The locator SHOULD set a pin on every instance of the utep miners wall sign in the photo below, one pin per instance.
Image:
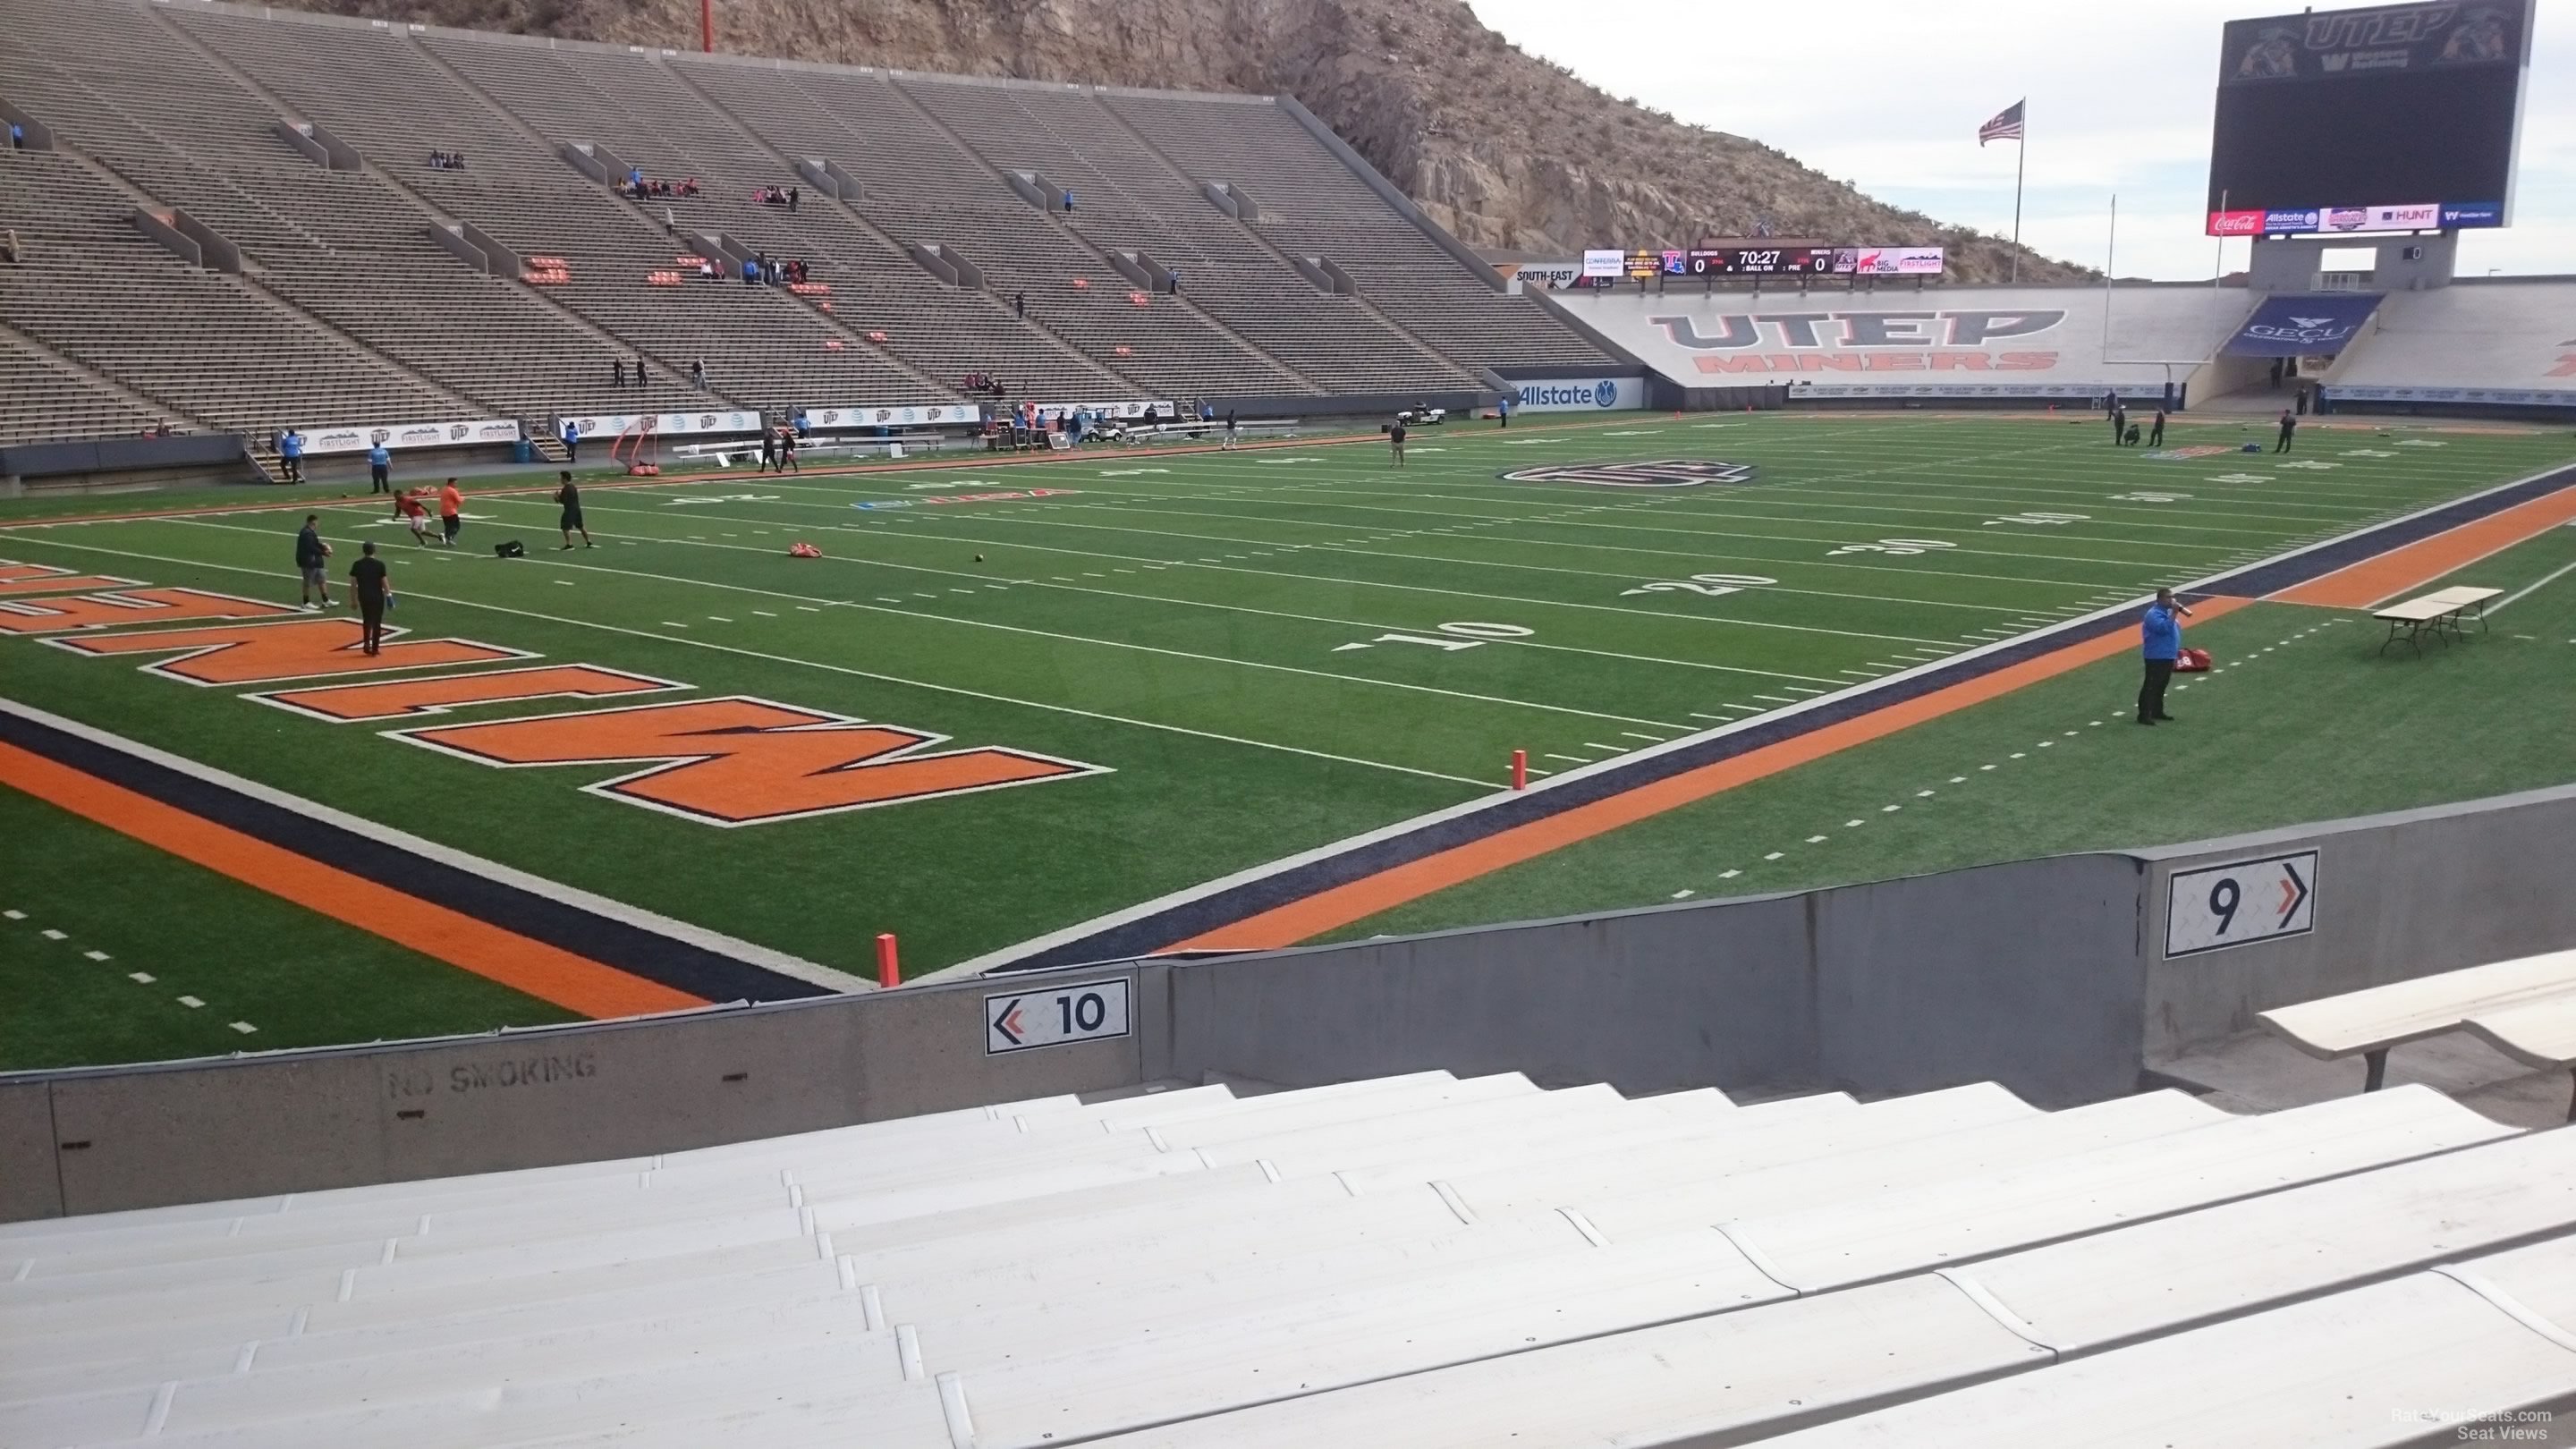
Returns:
(1648, 473)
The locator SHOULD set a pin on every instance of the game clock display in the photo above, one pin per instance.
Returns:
(1762, 261)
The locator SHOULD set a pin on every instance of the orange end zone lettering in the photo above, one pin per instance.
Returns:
(745, 761)
(131, 606)
(265, 653)
(27, 578)
(393, 699)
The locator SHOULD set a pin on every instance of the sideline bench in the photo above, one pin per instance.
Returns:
(2525, 1007)
(2443, 613)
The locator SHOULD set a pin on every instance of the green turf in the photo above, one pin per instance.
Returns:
(2304, 718)
(124, 909)
(1187, 622)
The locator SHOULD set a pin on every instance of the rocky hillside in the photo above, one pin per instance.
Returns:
(1505, 149)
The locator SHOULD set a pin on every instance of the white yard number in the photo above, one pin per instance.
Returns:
(1454, 637)
(2144, 496)
(1892, 546)
(2046, 519)
(1712, 585)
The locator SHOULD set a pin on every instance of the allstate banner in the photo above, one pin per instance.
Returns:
(464, 434)
(2306, 326)
(1580, 394)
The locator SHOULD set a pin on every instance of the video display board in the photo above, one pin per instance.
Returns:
(2389, 118)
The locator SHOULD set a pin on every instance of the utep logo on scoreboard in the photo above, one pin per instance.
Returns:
(1651, 473)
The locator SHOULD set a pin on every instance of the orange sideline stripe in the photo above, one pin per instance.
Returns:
(572, 982)
(1358, 900)
(2400, 570)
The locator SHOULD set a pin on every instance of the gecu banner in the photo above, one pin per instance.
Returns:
(470, 433)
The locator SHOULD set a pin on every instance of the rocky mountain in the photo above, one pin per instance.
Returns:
(1505, 149)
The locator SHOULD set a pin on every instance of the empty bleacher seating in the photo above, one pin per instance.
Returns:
(1411, 1261)
(347, 309)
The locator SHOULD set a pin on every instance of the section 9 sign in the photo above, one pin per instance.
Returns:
(2218, 906)
(1055, 1016)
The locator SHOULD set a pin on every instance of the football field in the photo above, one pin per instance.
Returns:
(1012, 699)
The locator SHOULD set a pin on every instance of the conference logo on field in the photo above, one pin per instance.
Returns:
(1634, 473)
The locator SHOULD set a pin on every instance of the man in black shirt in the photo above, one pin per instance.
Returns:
(1395, 440)
(570, 498)
(368, 582)
(2289, 427)
(310, 552)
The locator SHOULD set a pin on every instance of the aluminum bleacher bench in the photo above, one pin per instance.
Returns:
(2526, 1007)
(2440, 614)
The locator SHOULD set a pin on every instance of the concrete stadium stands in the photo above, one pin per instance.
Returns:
(2479, 340)
(304, 141)
(1416, 1261)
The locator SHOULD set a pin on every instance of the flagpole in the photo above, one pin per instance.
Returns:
(2021, 158)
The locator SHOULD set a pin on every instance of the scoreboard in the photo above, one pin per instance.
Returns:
(1761, 261)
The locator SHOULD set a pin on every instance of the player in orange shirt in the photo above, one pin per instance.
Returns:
(451, 512)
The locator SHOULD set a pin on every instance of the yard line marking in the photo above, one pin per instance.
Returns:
(1816, 839)
(1579, 760)
(764, 613)
(1682, 895)
(52, 935)
(673, 624)
(245, 1028)
(190, 1002)
(719, 618)
(14, 915)
(2552, 577)
(1728, 874)
(1613, 749)
(144, 977)
(97, 955)
(1775, 855)
(1776, 698)
(1717, 718)
(1653, 739)
(613, 908)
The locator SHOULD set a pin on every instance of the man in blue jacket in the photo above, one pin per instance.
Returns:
(2160, 631)
(380, 469)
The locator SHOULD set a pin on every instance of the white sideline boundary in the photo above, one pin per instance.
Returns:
(813, 973)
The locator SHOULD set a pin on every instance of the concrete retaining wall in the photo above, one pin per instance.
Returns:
(2048, 976)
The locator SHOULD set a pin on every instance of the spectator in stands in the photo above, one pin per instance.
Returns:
(698, 374)
(2289, 428)
(617, 371)
(570, 498)
(635, 180)
(380, 469)
(2156, 430)
(451, 513)
(1395, 439)
(290, 455)
(2160, 632)
(803, 428)
(795, 196)
(707, 268)
(456, 159)
(9, 246)
(1020, 304)
(374, 591)
(688, 186)
(17, 137)
(310, 555)
(639, 370)
(572, 437)
(750, 271)
(1068, 198)
(1176, 284)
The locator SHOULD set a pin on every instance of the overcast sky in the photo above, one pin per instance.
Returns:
(1888, 94)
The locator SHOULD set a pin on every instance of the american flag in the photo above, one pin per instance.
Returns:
(2006, 126)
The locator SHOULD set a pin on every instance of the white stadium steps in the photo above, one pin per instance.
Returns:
(1418, 1261)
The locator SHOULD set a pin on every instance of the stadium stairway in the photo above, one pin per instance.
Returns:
(1418, 1261)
